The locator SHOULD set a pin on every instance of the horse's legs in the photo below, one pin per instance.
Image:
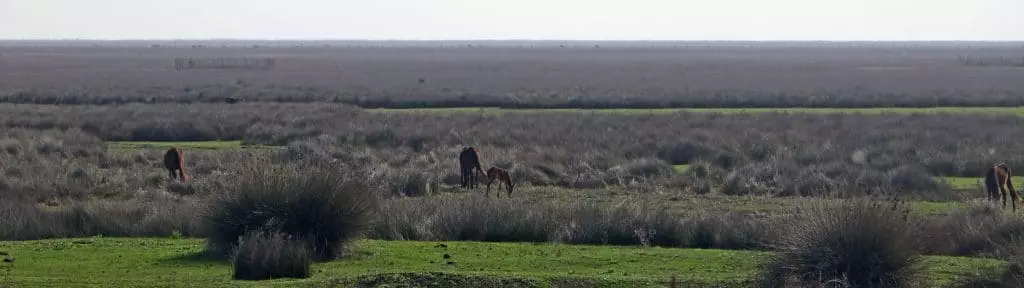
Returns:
(472, 179)
(465, 177)
(171, 172)
(1013, 193)
(1013, 203)
(488, 193)
(1002, 194)
(508, 185)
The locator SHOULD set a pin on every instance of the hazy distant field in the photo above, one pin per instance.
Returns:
(684, 75)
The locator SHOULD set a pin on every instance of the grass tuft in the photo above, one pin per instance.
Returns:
(325, 208)
(864, 243)
(263, 256)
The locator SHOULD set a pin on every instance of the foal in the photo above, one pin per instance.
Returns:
(997, 181)
(174, 160)
(502, 176)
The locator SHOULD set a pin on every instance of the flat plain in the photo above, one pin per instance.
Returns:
(633, 162)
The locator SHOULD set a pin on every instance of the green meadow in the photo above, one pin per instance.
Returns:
(166, 262)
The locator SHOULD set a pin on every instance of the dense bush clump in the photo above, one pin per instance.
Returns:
(261, 256)
(863, 243)
(324, 208)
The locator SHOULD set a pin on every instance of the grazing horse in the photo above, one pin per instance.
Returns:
(503, 177)
(174, 160)
(997, 181)
(469, 159)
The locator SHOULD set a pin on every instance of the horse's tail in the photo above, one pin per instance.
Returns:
(479, 168)
(475, 157)
(181, 166)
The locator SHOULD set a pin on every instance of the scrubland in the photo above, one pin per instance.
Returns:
(306, 163)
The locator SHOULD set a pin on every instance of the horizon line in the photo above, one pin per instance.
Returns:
(470, 40)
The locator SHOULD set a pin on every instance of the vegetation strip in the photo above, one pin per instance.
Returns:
(880, 110)
(212, 145)
(121, 262)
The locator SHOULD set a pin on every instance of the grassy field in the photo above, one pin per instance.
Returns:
(935, 110)
(973, 183)
(711, 203)
(123, 262)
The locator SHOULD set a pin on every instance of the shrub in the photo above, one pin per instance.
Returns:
(865, 243)
(261, 256)
(324, 207)
(980, 229)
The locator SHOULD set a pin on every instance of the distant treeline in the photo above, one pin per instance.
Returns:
(224, 63)
(974, 60)
(568, 98)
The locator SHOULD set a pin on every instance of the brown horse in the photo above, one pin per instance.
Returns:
(174, 159)
(997, 181)
(469, 159)
(503, 177)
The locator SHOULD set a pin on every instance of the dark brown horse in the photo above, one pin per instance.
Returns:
(502, 176)
(997, 181)
(469, 159)
(174, 159)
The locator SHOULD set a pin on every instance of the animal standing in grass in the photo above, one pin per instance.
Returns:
(997, 181)
(174, 159)
(469, 159)
(503, 177)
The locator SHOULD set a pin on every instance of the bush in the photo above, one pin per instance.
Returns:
(862, 244)
(324, 207)
(979, 229)
(263, 256)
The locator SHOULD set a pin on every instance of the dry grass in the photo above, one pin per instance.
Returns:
(804, 155)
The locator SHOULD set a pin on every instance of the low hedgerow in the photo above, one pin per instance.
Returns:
(142, 217)
(982, 228)
(863, 243)
(631, 222)
(261, 256)
(323, 206)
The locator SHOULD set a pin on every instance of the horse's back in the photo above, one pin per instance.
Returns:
(469, 153)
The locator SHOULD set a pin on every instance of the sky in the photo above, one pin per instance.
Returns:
(828, 20)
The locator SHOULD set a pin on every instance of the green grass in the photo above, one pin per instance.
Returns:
(975, 183)
(211, 145)
(681, 168)
(494, 110)
(690, 203)
(130, 262)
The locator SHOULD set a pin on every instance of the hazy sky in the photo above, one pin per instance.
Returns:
(516, 19)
